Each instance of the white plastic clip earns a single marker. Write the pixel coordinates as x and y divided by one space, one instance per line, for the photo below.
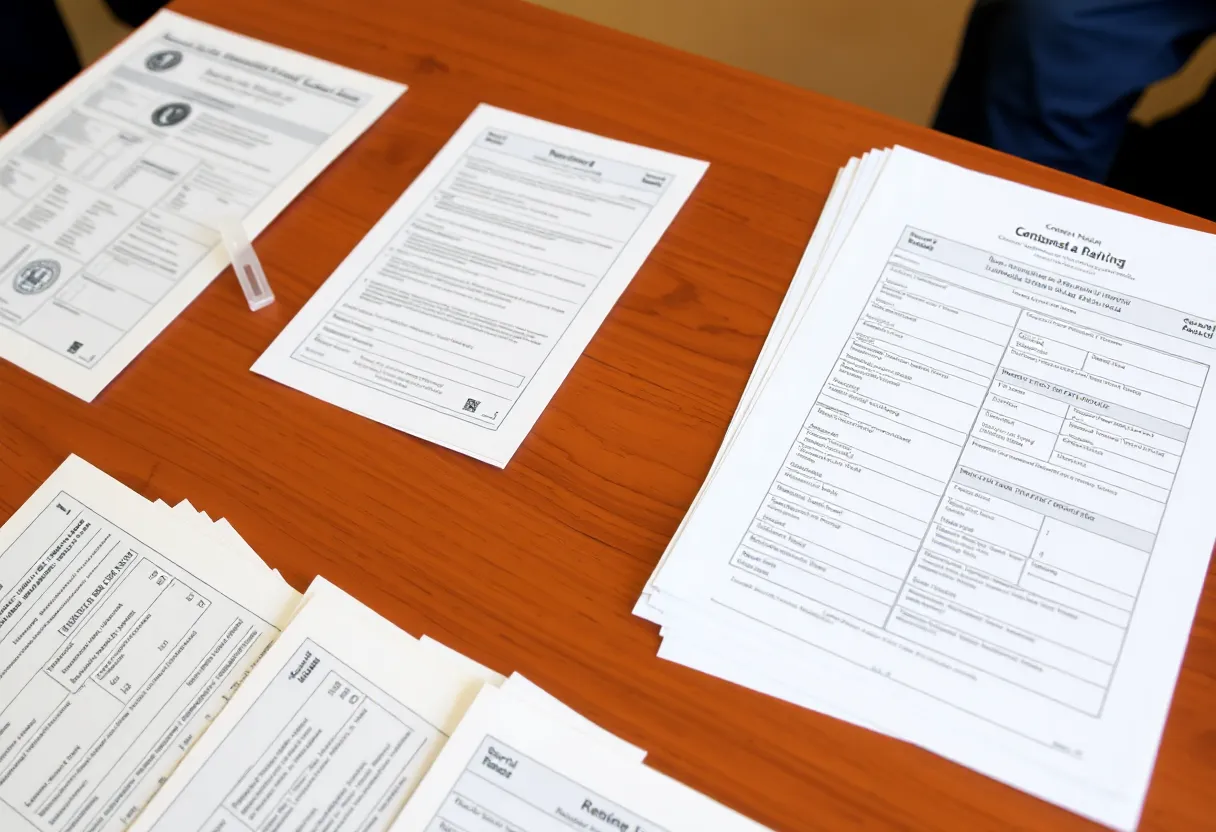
246 264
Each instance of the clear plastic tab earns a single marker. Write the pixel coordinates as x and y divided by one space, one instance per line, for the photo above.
245 263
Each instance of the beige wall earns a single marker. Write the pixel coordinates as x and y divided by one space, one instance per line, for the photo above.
93 28
889 55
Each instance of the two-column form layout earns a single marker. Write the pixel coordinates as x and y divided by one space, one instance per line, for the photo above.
982 476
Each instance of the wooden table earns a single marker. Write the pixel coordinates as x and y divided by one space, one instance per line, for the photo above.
536 568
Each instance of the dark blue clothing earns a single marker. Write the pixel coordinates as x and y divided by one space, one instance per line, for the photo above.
37 56
1054 81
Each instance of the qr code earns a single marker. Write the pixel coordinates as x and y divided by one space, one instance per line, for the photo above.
471 405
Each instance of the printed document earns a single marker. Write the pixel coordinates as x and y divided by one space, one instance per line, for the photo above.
460 314
970 505
509 766
121 638
145 686
111 191
523 688
328 736
325 734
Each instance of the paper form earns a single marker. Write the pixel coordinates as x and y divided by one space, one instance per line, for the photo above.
325 735
110 192
459 315
973 509
509 767
120 641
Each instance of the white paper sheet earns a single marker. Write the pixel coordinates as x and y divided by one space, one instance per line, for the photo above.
460 314
120 640
332 731
970 505
523 688
110 191
509 767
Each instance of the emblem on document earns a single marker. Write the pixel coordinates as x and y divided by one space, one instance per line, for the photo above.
36 276
163 61
170 114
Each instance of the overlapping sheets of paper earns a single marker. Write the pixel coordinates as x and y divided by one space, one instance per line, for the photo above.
156 675
125 625
965 497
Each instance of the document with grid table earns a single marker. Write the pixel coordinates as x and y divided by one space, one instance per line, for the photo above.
972 497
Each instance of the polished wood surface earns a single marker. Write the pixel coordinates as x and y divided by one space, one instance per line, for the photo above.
536 568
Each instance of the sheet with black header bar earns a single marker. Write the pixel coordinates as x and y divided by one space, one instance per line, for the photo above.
965 501
110 192
460 314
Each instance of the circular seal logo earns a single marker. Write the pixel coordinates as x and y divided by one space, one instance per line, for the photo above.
170 114
36 276
163 61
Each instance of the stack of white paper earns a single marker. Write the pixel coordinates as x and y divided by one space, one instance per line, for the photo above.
510 765
127 627
335 728
963 500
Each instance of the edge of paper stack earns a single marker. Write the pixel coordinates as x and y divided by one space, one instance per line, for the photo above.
180 684
1048 255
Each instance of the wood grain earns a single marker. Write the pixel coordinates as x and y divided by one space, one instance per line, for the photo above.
536 568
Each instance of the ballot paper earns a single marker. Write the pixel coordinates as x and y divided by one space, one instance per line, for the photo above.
334 728
510 767
110 193
122 635
458 317
964 502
